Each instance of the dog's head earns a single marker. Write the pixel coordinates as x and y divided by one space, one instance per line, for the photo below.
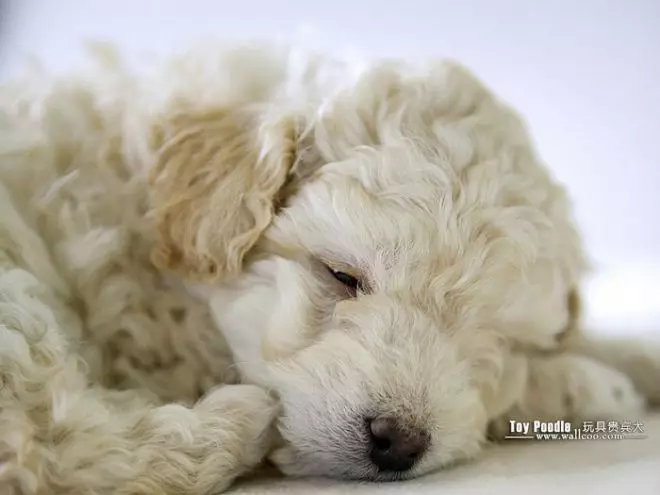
369 257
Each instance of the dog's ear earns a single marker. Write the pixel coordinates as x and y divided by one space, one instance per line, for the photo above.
214 187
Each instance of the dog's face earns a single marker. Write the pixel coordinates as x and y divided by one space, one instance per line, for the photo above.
369 283
346 307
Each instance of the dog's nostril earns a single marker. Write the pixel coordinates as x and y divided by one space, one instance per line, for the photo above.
395 447
382 443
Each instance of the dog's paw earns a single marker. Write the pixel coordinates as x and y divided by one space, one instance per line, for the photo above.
597 391
200 450
573 388
246 414
637 358
641 361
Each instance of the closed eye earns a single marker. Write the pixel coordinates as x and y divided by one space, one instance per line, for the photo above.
352 283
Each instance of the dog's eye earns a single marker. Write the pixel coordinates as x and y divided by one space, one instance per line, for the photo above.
348 280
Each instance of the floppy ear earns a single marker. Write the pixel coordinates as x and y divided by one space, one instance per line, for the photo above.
214 187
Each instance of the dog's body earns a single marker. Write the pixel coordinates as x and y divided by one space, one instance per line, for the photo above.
377 246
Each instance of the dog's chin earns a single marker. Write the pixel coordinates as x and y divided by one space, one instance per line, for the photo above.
352 466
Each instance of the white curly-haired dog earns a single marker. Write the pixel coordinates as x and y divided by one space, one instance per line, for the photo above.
374 252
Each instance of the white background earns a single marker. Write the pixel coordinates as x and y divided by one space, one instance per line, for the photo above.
585 73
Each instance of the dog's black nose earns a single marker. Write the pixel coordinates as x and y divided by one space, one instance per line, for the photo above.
395 447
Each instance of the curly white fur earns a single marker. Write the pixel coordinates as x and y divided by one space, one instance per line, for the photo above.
242 172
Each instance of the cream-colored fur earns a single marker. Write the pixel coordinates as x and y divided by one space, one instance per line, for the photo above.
164 232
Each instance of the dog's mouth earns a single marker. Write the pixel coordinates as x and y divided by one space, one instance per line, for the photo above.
348 468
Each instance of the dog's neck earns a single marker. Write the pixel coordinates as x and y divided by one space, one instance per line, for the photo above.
240 315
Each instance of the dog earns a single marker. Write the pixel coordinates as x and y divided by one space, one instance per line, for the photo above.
251 253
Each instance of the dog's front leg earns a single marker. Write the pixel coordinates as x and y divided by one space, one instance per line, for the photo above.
204 449
111 442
